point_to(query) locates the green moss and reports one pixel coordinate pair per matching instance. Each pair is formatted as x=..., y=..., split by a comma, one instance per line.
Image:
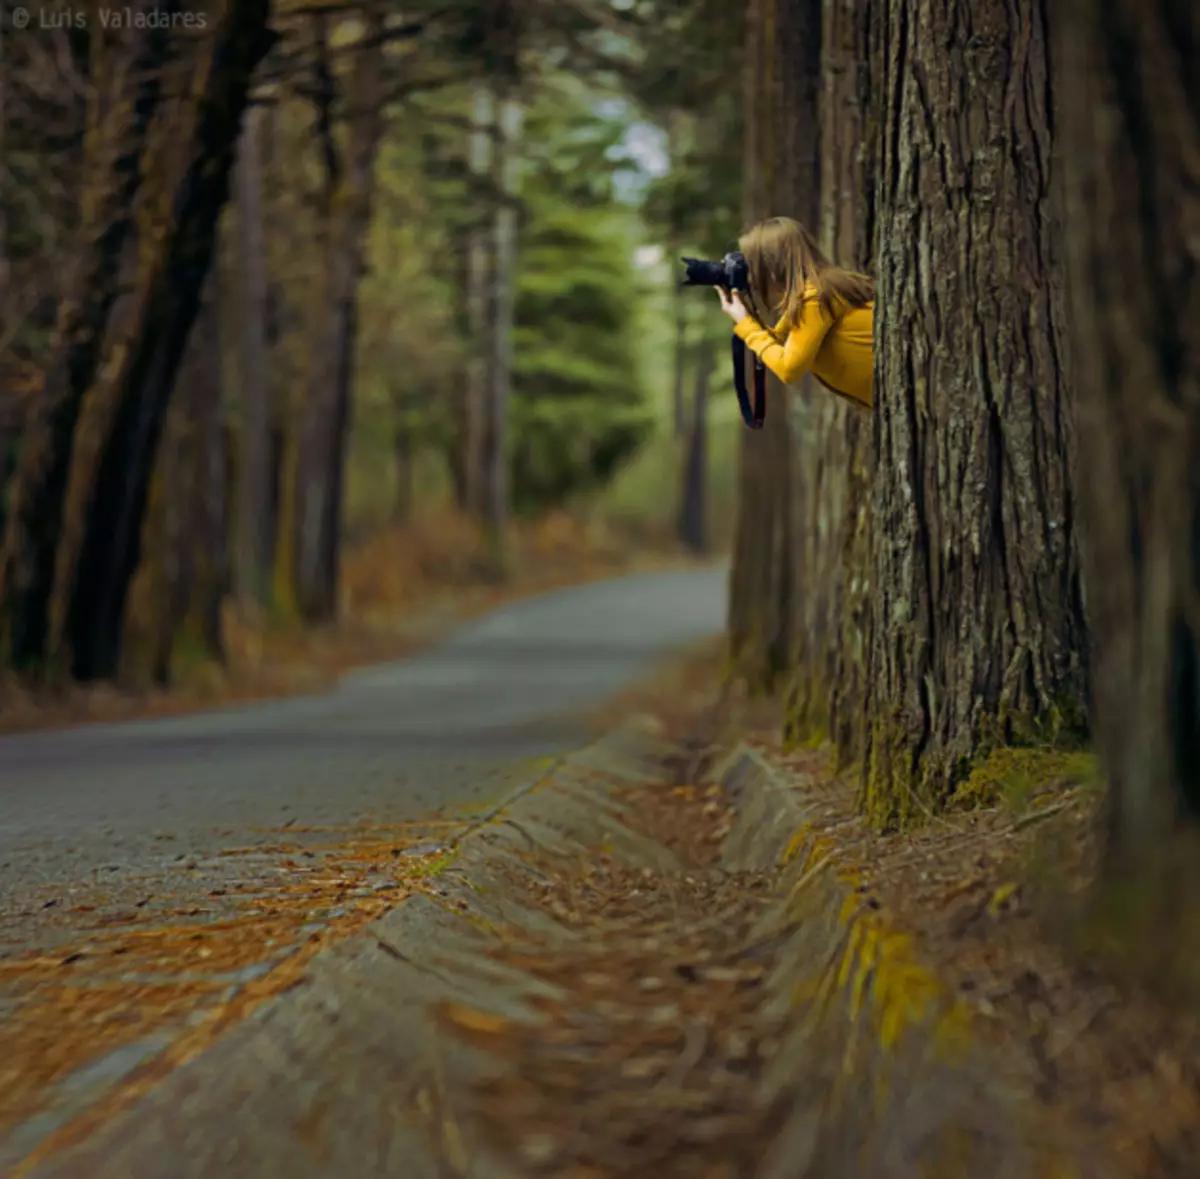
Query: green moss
x=806, y=714
x=1061, y=725
x=436, y=866
x=1012, y=776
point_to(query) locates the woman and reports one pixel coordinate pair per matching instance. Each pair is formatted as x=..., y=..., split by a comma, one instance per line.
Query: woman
x=825, y=315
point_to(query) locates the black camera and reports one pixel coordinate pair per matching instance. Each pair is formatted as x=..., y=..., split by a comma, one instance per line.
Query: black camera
x=731, y=272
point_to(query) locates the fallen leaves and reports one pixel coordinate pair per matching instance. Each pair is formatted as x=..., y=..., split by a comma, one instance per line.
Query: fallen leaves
x=134, y=972
x=470, y=1020
x=648, y=1063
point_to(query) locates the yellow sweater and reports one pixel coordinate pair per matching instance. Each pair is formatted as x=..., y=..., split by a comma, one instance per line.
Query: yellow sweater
x=838, y=350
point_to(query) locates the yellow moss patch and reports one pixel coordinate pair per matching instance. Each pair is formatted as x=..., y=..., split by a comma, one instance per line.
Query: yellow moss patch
x=875, y=968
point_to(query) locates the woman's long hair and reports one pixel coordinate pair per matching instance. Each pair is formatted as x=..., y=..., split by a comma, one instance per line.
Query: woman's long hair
x=785, y=262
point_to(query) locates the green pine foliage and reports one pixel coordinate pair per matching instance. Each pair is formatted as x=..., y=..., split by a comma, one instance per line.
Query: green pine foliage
x=578, y=410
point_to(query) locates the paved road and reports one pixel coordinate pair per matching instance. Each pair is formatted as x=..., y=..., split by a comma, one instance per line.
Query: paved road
x=391, y=742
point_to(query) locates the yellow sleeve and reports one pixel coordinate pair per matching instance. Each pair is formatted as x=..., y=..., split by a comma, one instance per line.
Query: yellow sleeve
x=790, y=360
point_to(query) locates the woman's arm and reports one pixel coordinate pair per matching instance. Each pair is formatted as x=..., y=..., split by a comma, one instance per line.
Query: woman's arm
x=790, y=360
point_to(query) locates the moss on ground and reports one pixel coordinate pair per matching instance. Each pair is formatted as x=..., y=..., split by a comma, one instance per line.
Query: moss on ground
x=1013, y=776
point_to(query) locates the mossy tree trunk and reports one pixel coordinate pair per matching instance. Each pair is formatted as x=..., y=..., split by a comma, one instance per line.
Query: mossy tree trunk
x=781, y=67
x=36, y=505
x=94, y=585
x=1130, y=94
x=978, y=632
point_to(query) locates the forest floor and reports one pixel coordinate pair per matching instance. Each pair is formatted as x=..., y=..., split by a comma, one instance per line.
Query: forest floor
x=402, y=589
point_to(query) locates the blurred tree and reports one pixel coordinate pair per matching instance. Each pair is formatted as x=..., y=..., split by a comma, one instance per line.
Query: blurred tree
x=1130, y=123
x=254, y=514
x=36, y=499
x=693, y=513
x=826, y=697
x=476, y=296
x=93, y=578
x=782, y=77
x=345, y=219
x=978, y=631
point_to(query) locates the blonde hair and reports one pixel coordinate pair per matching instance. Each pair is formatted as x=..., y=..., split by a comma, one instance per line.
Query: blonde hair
x=785, y=264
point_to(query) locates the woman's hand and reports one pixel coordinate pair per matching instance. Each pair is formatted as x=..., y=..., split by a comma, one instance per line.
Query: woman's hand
x=732, y=305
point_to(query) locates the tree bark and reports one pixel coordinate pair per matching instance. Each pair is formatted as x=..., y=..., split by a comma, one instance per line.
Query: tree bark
x=254, y=453
x=1130, y=96
x=97, y=583
x=321, y=461
x=693, y=514
x=781, y=68
x=35, y=509
x=826, y=699
x=978, y=633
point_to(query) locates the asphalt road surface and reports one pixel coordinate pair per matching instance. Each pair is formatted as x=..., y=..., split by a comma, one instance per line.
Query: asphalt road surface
x=444, y=729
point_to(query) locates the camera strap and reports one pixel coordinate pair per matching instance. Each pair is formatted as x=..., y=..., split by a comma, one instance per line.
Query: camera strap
x=752, y=415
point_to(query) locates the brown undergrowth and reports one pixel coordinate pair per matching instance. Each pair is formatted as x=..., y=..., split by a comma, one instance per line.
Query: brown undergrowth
x=402, y=589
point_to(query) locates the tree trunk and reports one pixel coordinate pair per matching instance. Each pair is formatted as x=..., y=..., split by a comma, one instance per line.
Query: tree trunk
x=35, y=508
x=254, y=457
x=978, y=634
x=174, y=543
x=5, y=244
x=504, y=261
x=96, y=585
x=1130, y=99
x=321, y=460
x=826, y=699
x=210, y=467
x=693, y=515
x=478, y=302
x=781, y=76
x=679, y=359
